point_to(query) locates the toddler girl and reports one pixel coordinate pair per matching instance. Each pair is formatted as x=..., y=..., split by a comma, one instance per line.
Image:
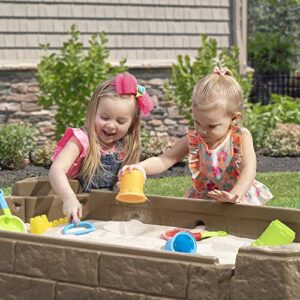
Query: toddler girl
x=111, y=138
x=222, y=159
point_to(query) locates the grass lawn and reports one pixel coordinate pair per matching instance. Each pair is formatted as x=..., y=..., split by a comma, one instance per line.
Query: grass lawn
x=285, y=186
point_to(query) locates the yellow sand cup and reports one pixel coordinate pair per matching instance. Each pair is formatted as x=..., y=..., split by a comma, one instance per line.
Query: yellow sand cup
x=132, y=187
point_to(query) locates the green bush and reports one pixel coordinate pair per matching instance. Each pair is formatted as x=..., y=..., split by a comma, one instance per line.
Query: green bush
x=41, y=156
x=273, y=35
x=261, y=119
x=286, y=109
x=186, y=73
x=16, y=141
x=284, y=140
x=68, y=79
x=271, y=53
x=154, y=146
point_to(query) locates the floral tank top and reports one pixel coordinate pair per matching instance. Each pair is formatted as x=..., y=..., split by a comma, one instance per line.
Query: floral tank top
x=219, y=168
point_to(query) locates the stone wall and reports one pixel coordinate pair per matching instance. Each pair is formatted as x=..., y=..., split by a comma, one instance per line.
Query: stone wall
x=18, y=103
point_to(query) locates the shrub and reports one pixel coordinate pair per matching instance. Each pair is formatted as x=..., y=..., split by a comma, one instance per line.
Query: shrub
x=16, y=141
x=261, y=119
x=286, y=109
x=186, y=73
x=283, y=141
x=273, y=35
x=68, y=79
x=41, y=156
x=155, y=145
x=271, y=53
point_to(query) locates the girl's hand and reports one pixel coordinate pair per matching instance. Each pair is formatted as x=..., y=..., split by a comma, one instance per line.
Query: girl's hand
x=72, y=209
x=130, y=168
x=223, y=196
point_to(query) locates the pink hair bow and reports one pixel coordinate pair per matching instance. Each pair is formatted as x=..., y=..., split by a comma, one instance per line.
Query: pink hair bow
x=220, y=71
x=126, y=84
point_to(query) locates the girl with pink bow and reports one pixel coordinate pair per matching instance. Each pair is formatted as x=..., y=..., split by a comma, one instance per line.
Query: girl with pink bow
x=110, y=139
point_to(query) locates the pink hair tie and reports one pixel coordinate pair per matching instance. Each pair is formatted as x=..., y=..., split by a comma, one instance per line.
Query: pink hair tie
x=126, y=84
x=220, y=71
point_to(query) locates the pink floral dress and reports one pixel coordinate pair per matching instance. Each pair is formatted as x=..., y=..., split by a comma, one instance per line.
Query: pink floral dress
x=219, y=168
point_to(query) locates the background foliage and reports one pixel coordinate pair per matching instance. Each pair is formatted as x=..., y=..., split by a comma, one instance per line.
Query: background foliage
x=274, y=33
x=186, y=73
x=261, y=120
x=68, y=79
x=16, y=141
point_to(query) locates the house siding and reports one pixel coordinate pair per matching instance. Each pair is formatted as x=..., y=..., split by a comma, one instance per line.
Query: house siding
x=150, y=32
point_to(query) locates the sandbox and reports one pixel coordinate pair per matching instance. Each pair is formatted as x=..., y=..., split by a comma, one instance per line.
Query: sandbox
x=43, y=267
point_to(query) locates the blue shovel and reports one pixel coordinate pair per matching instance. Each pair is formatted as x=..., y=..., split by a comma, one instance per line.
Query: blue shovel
x=8, y=221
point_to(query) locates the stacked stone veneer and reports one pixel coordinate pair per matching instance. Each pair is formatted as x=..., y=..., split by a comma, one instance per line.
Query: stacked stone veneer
x=18, y=103
x=36, y=270
x=36, y=267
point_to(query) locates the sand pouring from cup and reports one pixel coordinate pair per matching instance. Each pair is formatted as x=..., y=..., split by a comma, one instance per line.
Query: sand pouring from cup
x=8, y=221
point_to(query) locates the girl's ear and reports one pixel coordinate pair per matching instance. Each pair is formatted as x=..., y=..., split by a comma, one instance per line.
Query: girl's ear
x=235, y=117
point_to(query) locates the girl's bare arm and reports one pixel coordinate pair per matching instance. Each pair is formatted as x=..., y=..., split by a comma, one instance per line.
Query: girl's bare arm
x=159, y=164
x=247, y=167
x=59, y=180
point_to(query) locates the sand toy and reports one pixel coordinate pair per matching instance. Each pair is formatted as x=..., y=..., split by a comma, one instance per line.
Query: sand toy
x=72, y=228
x=40, y=224
x=276, y=234
x=8, y=221
x=182, y=241
x=132, y=187
x=197, y=235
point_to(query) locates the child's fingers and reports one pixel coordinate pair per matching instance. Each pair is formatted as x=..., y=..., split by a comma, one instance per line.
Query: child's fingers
x=124, y=169
x=130, y=168
x=75, y=218
x=223, y=196
x=79, y=212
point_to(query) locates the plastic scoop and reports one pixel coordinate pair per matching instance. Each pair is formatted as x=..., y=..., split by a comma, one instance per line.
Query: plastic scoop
x=8, y=221
x=197, y=235
x=87, y=228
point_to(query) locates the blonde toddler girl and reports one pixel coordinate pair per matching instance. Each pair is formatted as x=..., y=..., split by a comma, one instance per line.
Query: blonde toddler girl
x=222, y=159
x=110, y=139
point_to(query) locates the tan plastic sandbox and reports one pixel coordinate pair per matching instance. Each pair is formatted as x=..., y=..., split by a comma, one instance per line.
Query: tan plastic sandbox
x=41, y=267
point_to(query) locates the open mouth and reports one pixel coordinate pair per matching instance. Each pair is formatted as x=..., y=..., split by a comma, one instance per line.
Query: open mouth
x=110, y=134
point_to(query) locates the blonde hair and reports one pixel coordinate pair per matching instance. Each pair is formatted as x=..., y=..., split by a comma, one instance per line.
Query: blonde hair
x=131, y=141
x=219, y=85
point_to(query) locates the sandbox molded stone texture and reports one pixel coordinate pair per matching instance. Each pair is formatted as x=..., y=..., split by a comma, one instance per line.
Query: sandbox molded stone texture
x=35, y=265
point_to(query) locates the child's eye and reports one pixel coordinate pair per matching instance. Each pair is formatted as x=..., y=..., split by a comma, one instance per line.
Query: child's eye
x=212, y=126
x=104, y=118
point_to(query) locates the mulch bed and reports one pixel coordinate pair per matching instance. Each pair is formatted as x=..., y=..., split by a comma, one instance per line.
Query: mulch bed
x=264, y=164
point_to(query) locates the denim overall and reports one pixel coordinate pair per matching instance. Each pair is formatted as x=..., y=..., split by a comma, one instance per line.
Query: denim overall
x=105, y=180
